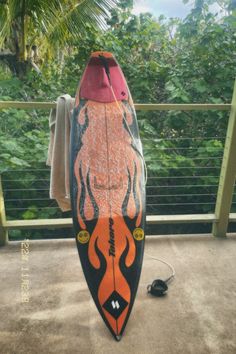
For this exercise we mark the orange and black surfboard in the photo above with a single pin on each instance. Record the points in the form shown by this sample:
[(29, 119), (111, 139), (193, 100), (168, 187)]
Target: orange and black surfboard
[(108, 189)]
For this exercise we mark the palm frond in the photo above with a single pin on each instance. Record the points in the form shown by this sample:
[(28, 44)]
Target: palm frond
[(75, 18), (53, 20)]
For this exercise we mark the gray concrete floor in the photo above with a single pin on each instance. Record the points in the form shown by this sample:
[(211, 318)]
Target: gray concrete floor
[(197, 316)]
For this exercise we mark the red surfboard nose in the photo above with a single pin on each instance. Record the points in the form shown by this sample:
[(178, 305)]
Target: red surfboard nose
[(95, 85)]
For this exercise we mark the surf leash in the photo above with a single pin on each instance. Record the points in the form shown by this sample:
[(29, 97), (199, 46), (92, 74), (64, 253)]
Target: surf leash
[(159, 287)]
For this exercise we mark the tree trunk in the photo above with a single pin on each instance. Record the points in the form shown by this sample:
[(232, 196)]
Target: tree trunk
[(23, 34)]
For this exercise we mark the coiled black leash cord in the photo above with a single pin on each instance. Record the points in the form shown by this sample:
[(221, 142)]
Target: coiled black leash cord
[(159, 287)]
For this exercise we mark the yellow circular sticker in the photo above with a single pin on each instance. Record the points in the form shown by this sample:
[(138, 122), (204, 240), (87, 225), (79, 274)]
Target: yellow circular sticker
[(83, 236), (138, 234)]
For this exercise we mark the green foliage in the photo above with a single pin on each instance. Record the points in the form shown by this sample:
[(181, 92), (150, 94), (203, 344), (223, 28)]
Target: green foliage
[(179, 61)]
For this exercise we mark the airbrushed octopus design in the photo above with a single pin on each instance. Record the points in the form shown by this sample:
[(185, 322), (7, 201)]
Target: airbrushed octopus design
[(110, 193)]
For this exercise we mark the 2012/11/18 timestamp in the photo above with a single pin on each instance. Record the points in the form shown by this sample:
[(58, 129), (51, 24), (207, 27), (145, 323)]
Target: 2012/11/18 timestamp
[(25, 281)]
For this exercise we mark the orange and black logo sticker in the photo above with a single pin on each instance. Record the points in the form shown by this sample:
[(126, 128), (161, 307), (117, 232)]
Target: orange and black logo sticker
[(138, 234), (83, 236)]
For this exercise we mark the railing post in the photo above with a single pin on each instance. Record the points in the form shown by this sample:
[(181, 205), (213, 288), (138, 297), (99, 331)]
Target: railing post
[(3, 230), (227, 176)]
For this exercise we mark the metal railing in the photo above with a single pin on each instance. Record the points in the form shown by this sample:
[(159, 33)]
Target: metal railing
[(219, 217)]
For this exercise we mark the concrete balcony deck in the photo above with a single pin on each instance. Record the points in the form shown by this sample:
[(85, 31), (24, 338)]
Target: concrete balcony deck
[(197, 316)]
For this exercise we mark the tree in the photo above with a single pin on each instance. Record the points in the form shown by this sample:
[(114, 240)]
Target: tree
[(26, 25)]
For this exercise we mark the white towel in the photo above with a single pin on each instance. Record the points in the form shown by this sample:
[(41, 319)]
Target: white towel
[(59, 151)]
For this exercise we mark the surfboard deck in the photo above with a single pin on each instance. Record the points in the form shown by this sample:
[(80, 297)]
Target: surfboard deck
[(108, 189)]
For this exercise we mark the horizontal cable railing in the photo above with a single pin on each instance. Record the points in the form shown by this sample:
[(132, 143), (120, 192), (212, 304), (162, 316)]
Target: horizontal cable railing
[(156, 187), (138, 106)]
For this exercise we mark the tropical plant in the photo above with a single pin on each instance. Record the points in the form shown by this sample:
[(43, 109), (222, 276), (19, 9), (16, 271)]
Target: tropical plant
[(26, 25)]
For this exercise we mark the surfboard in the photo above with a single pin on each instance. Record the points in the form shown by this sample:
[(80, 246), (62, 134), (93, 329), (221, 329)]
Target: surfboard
[(107, 181)]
